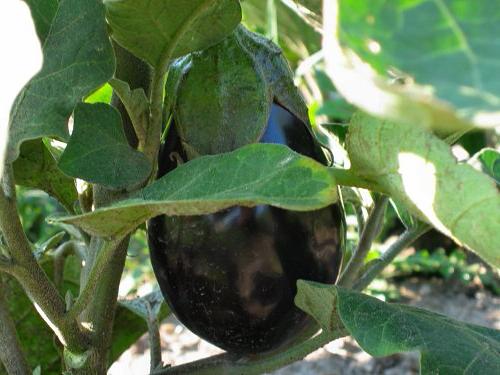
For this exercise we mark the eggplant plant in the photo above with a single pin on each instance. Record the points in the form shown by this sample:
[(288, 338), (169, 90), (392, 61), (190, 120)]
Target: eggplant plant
[(237, 135)]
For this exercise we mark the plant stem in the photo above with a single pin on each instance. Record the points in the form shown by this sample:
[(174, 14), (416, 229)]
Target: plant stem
[(272, 21), (346, 177), (49, 304), (227, 364), (153, 135), (154, 340), (106, 253), (371, 230), (407, 238), (11, 354)]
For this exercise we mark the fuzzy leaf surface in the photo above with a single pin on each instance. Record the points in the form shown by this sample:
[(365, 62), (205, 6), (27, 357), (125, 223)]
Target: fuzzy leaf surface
[(149, 28), (98, 139), (78, 58), (447, 346), (253, 175), (418, 170)]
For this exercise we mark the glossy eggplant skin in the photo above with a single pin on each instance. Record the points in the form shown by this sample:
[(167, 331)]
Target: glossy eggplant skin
[(230, 277)]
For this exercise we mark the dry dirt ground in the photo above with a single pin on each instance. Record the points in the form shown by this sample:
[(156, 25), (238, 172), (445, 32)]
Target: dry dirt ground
[(341, 357)]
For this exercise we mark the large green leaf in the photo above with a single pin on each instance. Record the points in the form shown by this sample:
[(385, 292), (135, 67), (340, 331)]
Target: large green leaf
[(253, 175), (98, 150), (446, 346), (78, 58), (36, 168), (43, 12), (445, 46), (419, 171), (157, 29)]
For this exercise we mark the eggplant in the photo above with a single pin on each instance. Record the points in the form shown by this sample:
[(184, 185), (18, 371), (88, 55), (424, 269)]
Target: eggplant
[(230, 277)]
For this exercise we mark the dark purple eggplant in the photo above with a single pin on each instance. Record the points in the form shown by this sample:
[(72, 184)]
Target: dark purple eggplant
[(230, 277)]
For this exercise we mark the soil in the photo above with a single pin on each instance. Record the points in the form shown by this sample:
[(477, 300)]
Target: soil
[(343, 356)]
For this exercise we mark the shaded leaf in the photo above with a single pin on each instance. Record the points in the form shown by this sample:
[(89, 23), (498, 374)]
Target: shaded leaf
[(232, 86), (43, 12), (36, 168), (149, 28), (253, 175), (229, 94), (418, 170), (136, 103), (98, 150), (443, 46), (78, 58), (488, 161), (447, 346)]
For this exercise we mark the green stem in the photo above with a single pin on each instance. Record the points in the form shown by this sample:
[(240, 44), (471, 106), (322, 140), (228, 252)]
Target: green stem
[(11, 353), (272, 21), (153, 134), (49, 304), (346, 177), (371, 230), (154, 340), (106, 253), (405, 240), (227, 364)]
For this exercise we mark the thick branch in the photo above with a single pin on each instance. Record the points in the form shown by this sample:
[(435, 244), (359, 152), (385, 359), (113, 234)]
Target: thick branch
[(371, 230), (28, 272), (107, 251), (11, 354)]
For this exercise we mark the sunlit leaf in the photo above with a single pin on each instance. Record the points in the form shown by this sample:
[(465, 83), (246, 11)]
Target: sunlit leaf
[(78, 58), (444, 46), (253, 175), (150, 28), (98, 150), (419, 171), (447, 346)]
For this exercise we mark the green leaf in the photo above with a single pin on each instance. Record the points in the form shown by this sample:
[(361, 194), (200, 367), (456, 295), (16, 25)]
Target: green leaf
[(78, 58), (488, 161), (98, 150), (36, 168), (253, 175), (246, 72), (440, 49), (447, 346), (158, 29), (418, 170), (102, 95), (136, 103), (43, 12), (217, 81)]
